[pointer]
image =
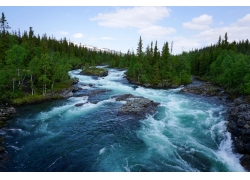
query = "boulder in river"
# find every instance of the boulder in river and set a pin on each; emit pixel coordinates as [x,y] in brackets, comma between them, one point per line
[80,104]
[136,105]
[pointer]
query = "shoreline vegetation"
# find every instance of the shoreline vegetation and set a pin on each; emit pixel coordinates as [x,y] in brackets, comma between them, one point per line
[34,69]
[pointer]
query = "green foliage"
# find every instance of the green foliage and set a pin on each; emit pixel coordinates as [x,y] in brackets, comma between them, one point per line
[95,71]
[31,65]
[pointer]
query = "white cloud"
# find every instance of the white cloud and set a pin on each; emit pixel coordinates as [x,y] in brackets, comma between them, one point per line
[108,38]
[199,23]
[150,32]
[245,21]
[63,32]
[181,43]
[142,18]
[136,17]
[233,32]
[236,31]
[78,35]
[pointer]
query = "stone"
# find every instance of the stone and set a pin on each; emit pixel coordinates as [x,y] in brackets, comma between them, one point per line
[239,146]
[80,104]
[241,123]
[136,105]
[245,161]
[236,132]
[246,126]
[247,147]
[2,149]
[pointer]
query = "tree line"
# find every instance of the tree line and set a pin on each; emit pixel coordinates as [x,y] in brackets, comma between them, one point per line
[31,64]
[225,64]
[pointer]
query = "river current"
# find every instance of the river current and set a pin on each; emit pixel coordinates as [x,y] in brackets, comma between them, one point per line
[186,134]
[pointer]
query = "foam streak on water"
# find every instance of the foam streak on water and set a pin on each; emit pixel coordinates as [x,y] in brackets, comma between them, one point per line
[187,133]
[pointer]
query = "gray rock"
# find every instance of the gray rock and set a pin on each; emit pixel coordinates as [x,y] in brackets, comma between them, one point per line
[241,123]
[206,89]
[2,149]
[247,147]
[6,112]
[136,105]
[245,161]
[66,92]
[123,97]
[94,92]
[80,104]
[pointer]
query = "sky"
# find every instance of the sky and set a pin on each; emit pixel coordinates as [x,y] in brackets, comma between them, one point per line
[119,26]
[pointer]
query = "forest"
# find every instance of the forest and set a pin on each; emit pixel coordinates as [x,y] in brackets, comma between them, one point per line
[37,66]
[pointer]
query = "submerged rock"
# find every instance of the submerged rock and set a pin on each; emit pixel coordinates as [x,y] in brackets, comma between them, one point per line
[136,105]
[80,104]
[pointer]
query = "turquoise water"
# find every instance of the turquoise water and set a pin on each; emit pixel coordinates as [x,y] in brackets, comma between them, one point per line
[187,133]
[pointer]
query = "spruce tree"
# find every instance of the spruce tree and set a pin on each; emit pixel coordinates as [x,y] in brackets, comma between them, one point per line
[4,24]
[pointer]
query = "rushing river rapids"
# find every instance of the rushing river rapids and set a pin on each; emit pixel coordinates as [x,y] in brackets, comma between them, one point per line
[187,133]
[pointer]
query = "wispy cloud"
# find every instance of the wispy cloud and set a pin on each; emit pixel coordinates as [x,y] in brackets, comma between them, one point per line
[78,35]
[199,23]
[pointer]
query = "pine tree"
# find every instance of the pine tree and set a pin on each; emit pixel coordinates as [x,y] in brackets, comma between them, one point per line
[139,49]
[4,24]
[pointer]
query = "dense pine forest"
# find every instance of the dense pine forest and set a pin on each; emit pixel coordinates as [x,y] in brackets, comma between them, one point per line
[36,66]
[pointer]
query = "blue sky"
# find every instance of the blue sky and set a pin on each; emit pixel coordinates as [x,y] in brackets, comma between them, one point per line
[119,27]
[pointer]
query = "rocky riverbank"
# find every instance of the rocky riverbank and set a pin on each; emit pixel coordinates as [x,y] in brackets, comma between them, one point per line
[6,112]
[160,85]
[238,116]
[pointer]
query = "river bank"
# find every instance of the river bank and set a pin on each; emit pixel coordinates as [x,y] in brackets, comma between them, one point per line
[237,115]
[8,111]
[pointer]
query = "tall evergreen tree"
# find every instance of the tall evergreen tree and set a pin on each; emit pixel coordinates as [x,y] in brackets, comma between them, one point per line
[3,23]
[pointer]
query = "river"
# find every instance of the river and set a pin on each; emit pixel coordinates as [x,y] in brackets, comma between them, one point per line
[187,134]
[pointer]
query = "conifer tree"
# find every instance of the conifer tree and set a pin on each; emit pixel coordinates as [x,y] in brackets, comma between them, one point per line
[3,23]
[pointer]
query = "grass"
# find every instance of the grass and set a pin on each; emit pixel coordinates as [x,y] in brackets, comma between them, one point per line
[30,99]
[38,97]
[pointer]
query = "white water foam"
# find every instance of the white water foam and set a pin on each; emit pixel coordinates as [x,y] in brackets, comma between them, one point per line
[102,150]
[226,155]
[185,125]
